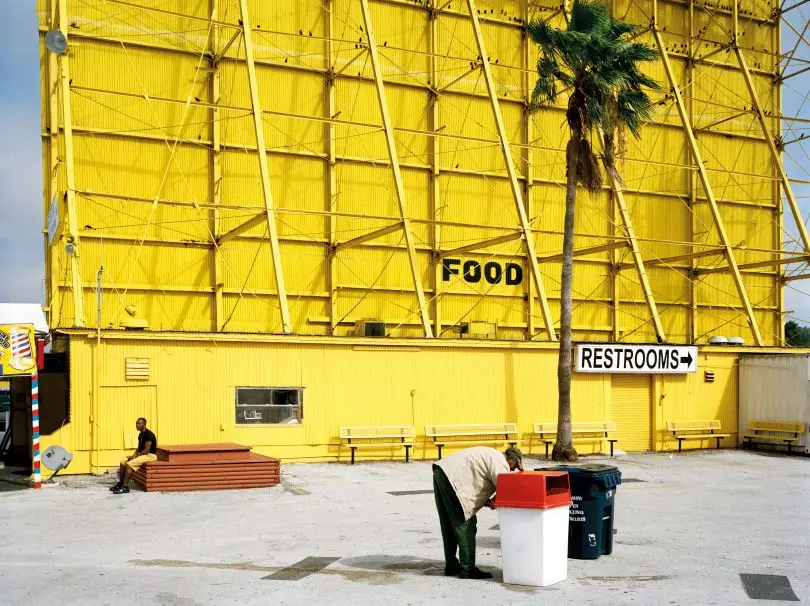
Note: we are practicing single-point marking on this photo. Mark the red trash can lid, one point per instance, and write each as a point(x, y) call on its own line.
point(533, 490)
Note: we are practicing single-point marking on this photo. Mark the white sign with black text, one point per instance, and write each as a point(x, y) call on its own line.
point(53, 219)
point(646, 359)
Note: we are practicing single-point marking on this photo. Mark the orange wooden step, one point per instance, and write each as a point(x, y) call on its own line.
point(208, 467)
point(227, 451)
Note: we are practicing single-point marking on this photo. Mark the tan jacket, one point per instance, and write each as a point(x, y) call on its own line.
point(473, 474)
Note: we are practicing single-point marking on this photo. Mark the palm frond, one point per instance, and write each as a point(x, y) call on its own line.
point(541, 34)
point(599, 59)
point(619, 29)
point(633, 109)
point(590, 18)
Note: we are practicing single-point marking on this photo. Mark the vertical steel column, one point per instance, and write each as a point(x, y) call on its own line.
point(510, 169)
point(690, 112)
point(704, 179)
point(264, 170)
point(72, 213)
point(331, 178)
point(528, 133)
point(435, 188)
point(776, 43)
point(216, 169)
point(614, 253)
point(392, 154)
point(52, 278)
point(614, 269)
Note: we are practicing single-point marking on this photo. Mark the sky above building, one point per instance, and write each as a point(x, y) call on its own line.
point(21, 220)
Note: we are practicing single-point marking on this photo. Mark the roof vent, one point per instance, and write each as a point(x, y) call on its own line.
point(737, 341)
point(718, 340)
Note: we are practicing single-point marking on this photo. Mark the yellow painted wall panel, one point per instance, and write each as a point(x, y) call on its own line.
point(690, 398)
point(658, 163)
point(152, 266)
point(251, 312)
point(635, 323)
point(103, 217)
point(741, 171)
point(161, 60)
point(471, 200)
point(364, 384)
point(132, 24)
point(145, 169)
point(677, 321)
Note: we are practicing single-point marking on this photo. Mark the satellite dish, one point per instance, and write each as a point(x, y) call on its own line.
point(56, 459)
point(56, 41)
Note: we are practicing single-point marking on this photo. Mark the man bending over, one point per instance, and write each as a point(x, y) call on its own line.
point(463, 483)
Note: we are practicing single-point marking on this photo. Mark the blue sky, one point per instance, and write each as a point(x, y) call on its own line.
point(20, 156)
point(21, 220)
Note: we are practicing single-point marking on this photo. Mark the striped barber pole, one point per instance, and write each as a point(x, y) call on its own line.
point(35, 428)
point(20, 344)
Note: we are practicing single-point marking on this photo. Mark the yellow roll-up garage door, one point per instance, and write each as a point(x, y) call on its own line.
point(631, 401)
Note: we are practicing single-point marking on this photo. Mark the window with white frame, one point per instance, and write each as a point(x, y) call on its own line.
point(269, 405)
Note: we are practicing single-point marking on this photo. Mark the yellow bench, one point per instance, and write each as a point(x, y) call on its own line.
point(594, 431)
point(696, 430)
point(378, 436)
point(442, 435)
point(784, 432)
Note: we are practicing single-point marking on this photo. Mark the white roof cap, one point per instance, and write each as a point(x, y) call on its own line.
point(24, 313)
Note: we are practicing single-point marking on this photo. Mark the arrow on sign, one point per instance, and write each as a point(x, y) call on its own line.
point(687, 359)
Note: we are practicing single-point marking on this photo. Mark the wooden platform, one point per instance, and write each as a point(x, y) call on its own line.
point(203, 453)
point(207, 467)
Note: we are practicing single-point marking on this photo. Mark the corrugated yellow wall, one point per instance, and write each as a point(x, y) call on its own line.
point(135, 139)
point(189, 397)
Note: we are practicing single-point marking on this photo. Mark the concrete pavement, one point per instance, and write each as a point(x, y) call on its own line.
point(687, 526)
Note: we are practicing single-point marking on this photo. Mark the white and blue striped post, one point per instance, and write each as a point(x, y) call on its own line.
point(35, 427)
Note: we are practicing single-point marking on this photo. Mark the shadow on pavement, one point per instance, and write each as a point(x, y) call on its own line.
point(407, 565)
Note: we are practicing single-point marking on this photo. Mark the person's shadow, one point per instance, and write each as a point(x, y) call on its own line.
point(407, 565)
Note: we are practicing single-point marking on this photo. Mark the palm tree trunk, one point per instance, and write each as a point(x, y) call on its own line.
point(564, 448)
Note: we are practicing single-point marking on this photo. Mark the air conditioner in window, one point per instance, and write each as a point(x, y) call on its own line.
point(479, 330)
point(369, 328)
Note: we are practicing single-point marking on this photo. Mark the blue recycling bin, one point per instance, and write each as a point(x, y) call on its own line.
point(593, 492)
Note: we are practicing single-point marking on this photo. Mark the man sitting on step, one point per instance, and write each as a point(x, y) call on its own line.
point(147, 449)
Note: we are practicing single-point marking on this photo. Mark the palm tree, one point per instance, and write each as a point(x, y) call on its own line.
point(595, 62)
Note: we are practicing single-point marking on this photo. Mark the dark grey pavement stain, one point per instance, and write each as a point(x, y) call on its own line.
point(302, 569)
point(768, 587)
point(370, 577)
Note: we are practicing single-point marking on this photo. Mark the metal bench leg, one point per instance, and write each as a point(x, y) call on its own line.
point(439, 446)
point(718, 443)
point(407, 453)
point(788, 445)
point(546, 443)
point(680, 441)
point(611, 449)
point(352, 449)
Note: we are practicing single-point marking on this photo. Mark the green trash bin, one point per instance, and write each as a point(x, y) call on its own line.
point(590, 522)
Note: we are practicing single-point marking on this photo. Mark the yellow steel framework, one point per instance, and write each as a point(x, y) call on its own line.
point(400, 176)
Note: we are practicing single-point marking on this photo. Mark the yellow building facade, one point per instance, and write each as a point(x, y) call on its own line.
point(261, 187)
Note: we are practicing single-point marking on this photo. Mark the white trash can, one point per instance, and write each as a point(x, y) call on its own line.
point(533, 516)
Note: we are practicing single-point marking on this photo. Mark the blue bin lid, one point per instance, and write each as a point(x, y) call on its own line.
point(605, 475)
